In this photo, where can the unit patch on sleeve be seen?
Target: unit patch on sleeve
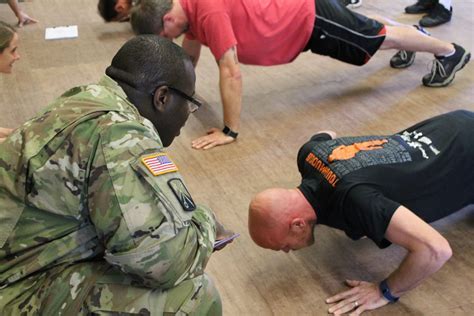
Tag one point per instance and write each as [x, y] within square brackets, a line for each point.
[182, 194]
[159, 164]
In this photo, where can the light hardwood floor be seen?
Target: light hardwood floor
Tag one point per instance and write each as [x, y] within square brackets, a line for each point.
[282, 107]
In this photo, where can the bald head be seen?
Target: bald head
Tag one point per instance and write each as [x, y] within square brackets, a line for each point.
[268, 212]
[280, 219]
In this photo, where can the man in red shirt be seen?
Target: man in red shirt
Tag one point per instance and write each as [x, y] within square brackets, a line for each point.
[272, 32]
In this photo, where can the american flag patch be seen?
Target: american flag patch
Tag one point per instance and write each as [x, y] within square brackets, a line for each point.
[159, 164]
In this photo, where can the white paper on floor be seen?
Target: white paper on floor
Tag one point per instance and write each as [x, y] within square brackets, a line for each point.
[59, 32]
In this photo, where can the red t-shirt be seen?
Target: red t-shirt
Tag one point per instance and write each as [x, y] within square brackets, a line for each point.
[266, 32]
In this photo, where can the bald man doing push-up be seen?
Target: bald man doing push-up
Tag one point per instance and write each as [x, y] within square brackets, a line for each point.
[384, 187]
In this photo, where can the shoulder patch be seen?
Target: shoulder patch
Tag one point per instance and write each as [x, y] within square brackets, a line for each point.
[159, 164]
[182, 194]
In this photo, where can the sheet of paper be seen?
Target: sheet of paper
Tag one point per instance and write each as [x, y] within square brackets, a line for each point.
[60, 32]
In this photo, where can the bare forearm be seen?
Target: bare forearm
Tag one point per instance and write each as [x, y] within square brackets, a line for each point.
[14, 6]
[415, 267]
[427, 250]
[231, 94]
[230, 84]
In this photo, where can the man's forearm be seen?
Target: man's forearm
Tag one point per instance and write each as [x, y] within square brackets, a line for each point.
[231, 94]
[14, 6]
[415, 267]
[427, 250]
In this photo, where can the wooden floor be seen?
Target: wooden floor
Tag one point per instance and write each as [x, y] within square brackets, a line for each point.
[283, 106]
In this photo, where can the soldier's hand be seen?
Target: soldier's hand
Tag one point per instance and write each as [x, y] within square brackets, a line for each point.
[214, 138]
[222, 233]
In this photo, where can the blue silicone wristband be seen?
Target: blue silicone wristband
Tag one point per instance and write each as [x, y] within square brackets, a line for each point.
[383, 286]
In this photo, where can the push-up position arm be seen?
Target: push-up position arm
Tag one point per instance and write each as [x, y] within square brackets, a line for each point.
[193, 49]
[23, 18]
[230, 83]
[427, 253]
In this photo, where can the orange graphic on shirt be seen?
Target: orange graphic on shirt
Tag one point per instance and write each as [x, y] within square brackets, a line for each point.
[344, 152]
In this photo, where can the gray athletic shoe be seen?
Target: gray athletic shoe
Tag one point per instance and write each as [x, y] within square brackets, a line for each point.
[443, 69]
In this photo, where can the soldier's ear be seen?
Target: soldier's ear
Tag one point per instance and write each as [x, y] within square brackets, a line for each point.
[161, 97]
[121, 6]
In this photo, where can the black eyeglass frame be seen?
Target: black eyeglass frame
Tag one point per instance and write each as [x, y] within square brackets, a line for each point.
[184, 96]
[187, 97]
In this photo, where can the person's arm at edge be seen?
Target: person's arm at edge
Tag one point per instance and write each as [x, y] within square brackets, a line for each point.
[427, 250]
[4, 132]
[230, 83]
[22, 17]
[187, 252]
[193, 49]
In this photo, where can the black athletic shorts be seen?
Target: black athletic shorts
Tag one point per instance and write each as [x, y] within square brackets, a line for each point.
[343, 34]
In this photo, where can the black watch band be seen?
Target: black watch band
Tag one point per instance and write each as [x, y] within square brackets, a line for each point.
[383, 286]
[230, 132]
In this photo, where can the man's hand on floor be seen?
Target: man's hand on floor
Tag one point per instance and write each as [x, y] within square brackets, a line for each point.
[215, 137]
[362, 297]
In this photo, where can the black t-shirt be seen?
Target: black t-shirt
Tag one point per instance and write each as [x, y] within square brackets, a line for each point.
[356, 183]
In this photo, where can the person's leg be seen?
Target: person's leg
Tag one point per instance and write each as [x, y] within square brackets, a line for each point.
[343, 34]
[351, 37]
[116, 293]
[450, 57]
[409, 38]
[59, 290]
[445, 3]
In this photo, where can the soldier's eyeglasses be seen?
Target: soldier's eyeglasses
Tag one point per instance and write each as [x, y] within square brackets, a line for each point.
[194, 104]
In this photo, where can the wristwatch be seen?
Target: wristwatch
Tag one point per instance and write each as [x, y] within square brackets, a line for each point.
[230, 132]
[383, 286]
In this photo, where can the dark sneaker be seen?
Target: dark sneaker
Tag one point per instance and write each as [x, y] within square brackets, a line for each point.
[402, 59]
[444, 68]
[439, 15]
[351, 4]
[422, 6]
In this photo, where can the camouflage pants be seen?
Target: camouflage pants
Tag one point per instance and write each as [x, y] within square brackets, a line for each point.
[58, 291]
[114, 294]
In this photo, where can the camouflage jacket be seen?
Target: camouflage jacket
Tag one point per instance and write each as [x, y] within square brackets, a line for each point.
[77, 183]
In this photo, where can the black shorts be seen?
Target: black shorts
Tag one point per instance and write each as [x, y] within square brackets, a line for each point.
[343, 34]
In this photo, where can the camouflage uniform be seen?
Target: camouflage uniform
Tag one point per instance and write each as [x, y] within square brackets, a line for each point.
[73, 191]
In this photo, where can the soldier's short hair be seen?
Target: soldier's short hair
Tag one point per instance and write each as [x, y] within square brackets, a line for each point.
[147, 16]
[148, 61]
[7, 32]
[107, 9]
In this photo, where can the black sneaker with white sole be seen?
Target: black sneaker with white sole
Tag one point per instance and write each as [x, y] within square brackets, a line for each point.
[443, 69]
[402, 59]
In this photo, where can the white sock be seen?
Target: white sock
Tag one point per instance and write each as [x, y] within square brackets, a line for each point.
[446, 4]
[449, 54]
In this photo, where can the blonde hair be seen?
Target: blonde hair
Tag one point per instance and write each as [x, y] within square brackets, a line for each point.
[6, 34]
